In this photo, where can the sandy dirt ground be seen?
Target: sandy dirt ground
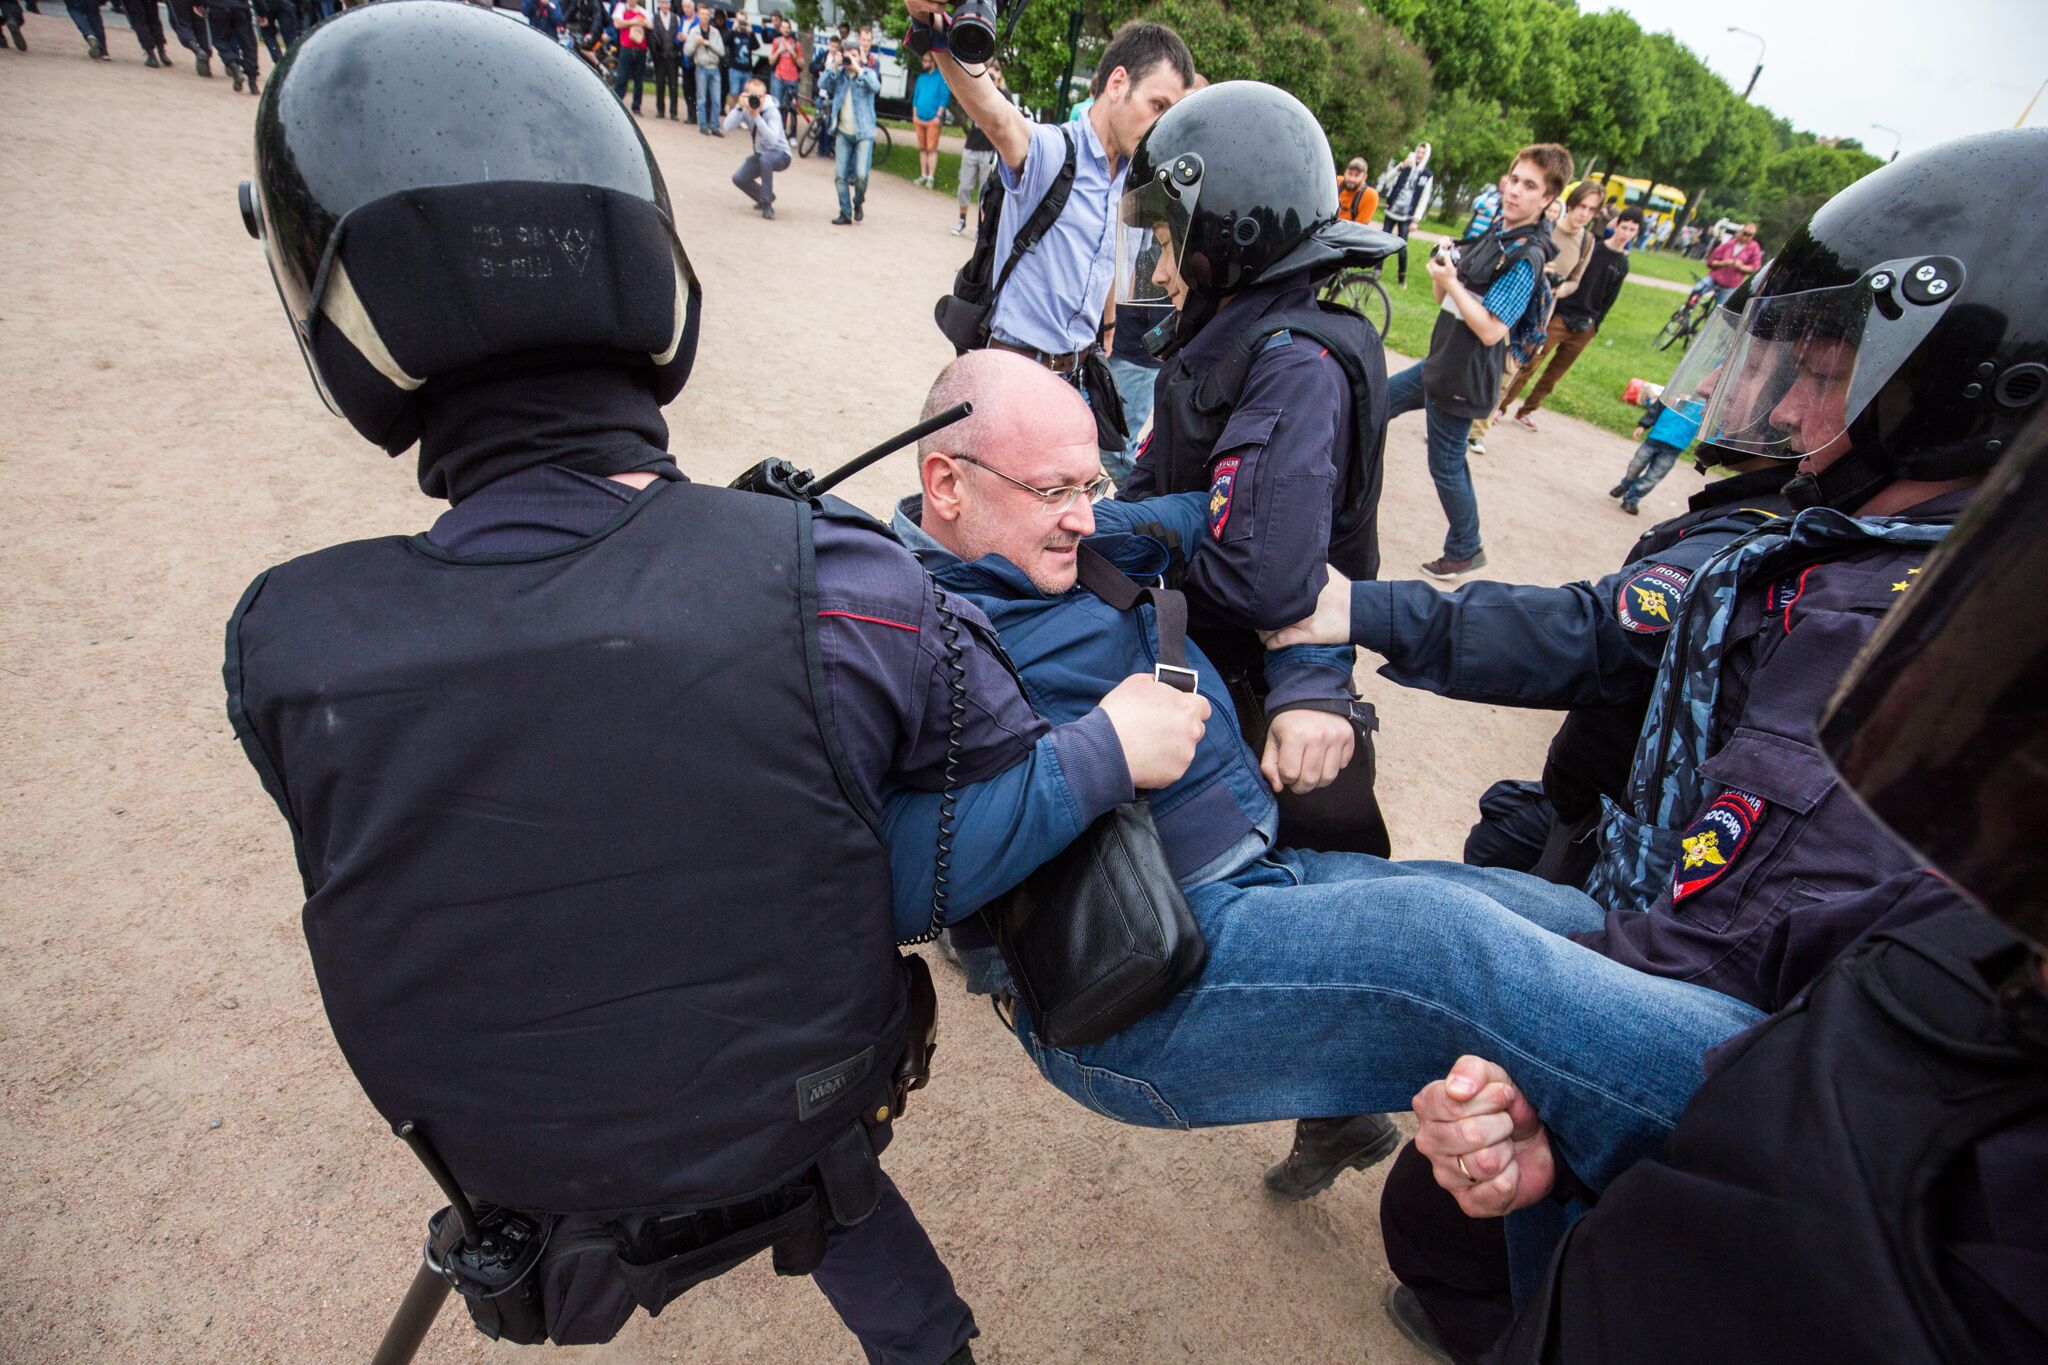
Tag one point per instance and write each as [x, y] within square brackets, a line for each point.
[189, 1170]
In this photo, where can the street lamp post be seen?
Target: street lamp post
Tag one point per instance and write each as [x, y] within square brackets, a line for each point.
[1897, 139]
[1759, 57]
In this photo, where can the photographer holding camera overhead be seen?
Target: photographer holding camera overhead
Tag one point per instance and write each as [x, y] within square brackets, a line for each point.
[1039, 280]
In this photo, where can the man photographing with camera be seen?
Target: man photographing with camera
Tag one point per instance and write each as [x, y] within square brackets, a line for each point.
[761, 117]
[1051, 302]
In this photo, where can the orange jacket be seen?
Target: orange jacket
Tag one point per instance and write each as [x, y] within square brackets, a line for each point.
[1361, 207]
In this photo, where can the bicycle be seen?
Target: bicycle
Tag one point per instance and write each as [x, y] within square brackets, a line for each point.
[1685, 322]
[1362, 292]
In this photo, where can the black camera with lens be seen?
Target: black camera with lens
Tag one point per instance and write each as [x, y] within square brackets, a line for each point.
[971, 33]
[753, 101]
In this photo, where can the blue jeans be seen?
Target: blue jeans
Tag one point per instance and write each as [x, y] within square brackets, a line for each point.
[633, 72]
[90, 25]
[1338, 983]
[707, 98]
[1646, 469]
[852, 157]
[1446, 436]
[1135, 385]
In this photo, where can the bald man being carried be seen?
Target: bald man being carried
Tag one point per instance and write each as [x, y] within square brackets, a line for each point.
[1335, 983]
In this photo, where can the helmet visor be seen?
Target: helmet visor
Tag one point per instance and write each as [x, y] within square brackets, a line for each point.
[1705, 362]
[1800, 368]
[1151, 234]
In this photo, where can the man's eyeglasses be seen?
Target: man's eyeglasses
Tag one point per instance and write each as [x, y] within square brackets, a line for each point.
[1055, 501]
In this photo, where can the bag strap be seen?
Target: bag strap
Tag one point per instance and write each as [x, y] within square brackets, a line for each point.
[1042, 218]
[1169, 610]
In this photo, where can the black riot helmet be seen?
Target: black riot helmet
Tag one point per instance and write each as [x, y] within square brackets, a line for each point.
[439, 190]
[1233, 185]
[1904, 328]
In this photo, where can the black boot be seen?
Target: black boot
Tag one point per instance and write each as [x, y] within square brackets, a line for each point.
[1409, 1315]
[1325, 1148]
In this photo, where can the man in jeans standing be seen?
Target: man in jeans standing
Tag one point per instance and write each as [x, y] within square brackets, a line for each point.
[849, 91]
[1482, 296]
[704, 45]
[1734, 261]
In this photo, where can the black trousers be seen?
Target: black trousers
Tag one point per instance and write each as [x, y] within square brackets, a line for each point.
[1457, 1266]
[668, 100]
[235, 37]
[1400, 229]
[147, 23]
[188, 22]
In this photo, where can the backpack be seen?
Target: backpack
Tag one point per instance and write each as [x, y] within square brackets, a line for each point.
[964, 314]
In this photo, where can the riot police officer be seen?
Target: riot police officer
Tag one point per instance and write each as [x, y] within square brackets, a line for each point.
[584, 782]
[1893, 359]
[1879, 1156]
[1275, 406]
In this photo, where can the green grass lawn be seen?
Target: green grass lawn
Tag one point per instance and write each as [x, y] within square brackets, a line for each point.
[902, 163]
[1591, 390]
[1666, 265]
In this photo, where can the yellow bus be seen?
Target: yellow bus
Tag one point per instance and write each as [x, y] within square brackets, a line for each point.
[1661, 204]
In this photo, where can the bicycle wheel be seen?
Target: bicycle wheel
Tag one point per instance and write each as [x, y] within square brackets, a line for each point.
[807, 141]
[1361, 291]
[884, 144]
[1675, 327]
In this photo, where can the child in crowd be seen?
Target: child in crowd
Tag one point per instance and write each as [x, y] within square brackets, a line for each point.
[1670, 431]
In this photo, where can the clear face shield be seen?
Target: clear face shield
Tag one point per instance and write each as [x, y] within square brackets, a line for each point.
[1794, 371]
[1152, 233]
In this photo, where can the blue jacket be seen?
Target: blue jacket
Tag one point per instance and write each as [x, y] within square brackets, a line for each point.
[1677, 427]
[861, 88]
[1070, 651]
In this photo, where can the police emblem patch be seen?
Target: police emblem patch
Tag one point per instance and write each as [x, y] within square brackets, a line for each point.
[1221, 484]
[1648, 601]
[1713, 842]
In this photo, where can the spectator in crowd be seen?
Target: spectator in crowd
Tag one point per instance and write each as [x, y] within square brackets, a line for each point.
[1133, 366]
[545, 16]
[928, 112]
[633, 23]
[664, 55]
[826, 60]
[786, 72]
[148, 28]
[867, 47]
[1487, 294]
[235, 36]
[85, 16]
[978, 161]
[1734, 261]
[1665, 432]
[757, 114]
[704, 46]
[739, 56]
[1485, 213]
[1572, 237]
[277, 24]
[1582, 306]
[10, 18]
[1357, 200]
[1405, 192]
[849, 92]
[188, 22]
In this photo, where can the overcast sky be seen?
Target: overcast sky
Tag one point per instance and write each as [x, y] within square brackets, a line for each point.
[1933, 69]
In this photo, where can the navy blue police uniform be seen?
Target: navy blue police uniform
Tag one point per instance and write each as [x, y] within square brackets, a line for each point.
[1276, 408]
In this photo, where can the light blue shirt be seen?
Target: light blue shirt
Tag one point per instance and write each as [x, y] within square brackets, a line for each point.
[1055, 301]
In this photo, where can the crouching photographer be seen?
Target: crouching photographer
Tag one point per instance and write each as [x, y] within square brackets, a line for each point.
[761, 119]
[1044, 257]
[597, 890]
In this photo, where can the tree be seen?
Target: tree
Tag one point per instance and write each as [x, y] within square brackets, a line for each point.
[1472, 143]
[1801, 179]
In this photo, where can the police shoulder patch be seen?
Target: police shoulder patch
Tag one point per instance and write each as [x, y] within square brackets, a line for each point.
[1222, 484]
[1713, 842]
[1648, 600]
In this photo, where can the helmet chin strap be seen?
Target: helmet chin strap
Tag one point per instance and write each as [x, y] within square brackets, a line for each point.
[1164, 340]
[1845, 485]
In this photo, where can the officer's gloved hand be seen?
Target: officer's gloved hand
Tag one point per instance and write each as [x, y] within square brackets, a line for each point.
[1484, 1140]
[1328, 624]
[1157, 726]
[1305, 750]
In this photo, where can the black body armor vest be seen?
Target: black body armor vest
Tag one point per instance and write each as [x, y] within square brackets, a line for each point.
[586, 894]
[1795, 1213]
[1193, 409]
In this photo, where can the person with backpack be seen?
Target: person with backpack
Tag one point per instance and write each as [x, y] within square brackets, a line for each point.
[1491, 291]
[1039, 280]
